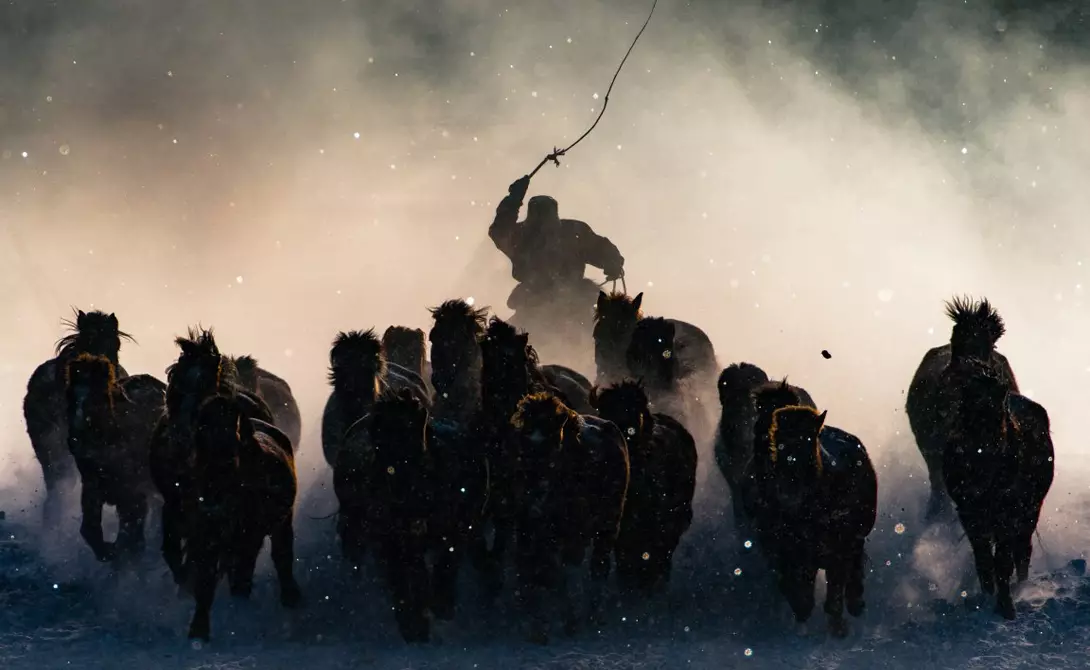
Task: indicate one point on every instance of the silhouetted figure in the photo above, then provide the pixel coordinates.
(548, 258)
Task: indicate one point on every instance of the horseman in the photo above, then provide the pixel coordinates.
(548, 257)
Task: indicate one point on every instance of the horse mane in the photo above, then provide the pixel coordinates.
(631, 392)
(246, 366)
(777, 393)
(789, 412)
(542, 403)
(86, 325)
(197, 342)
(615, 299)
(459, 310)
(102, 361)
(976, 316)
(353, 349)
(740, 377)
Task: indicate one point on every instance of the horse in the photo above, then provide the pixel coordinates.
(358, 373)
(200, 373)
(659, 505)
(386, 489)
(977, 328)
(997, 468)
(110, 422)
(735, 434)
(651, 358)
(96, 333)
(814, 509)
(461, 469)
(570, 490)
(509, 372)
(407, 352)
(276, 393)
(615, 318)
(245, 487)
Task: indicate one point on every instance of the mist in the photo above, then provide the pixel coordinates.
(199, 163)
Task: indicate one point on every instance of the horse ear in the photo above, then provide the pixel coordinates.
(593, 397)
(80, 316)
(637, 301)
(113, 320)
(821, 418)
(784, 385)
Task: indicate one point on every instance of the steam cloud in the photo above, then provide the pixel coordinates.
(789, 181)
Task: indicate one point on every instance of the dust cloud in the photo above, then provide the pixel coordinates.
(200, 163)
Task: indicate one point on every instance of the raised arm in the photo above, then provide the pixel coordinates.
(505, 225)
(598, 251)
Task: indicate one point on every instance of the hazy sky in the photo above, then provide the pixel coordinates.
(789, 181)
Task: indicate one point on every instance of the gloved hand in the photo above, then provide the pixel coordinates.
(613, 274)
(519, 187)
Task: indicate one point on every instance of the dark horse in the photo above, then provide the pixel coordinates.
(509, 372)
(998, 468)
(615, 319)
(200, 373)
(659, 506)
(110, 422)
(244, 483)
(932, 397)
(814, 508)
(359, 374)
(734, 437)
(94, 333)
(407, 352)
(385, 485)
(461, 469)
(276, 393)
(652, 358)
(570, 486)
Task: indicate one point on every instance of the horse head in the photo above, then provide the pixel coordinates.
(977, 327)
(627, 406)
(455, 338)
(357, 364)
(94, 333)
(650, 353)
(543, 427)
(795, 451)
(200, 372)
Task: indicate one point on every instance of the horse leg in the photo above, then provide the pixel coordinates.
(853, 589)
(206, 570)
(90, 528)
(836, 579)
(1004, 567)
(172, 540)
(939, 501)
(984, 558)
(448, 547)
(243, 561)
(797, 585)
(283, 557)
(131, 514)
(1023, 552)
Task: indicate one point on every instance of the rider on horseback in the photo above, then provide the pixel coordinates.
(549, 255)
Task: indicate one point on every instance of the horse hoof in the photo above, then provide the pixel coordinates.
(538, 636)
(1005, 608)
(291, 597)
(199, 633)
(855, 607)
(107, 553)
(838, 627)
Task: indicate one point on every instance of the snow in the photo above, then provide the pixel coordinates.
(61, 608)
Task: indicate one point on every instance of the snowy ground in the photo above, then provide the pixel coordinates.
(61, 609)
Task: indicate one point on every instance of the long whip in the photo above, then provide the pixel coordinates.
(557, 153)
